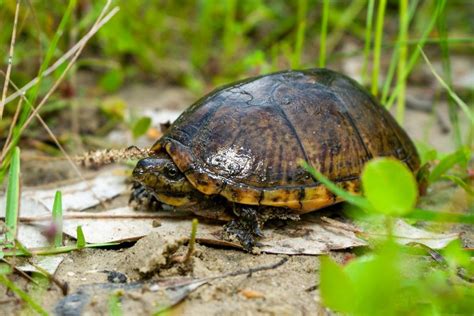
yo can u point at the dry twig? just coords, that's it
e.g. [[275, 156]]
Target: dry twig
[[10, 60]]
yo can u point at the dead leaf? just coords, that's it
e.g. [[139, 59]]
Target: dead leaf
[[78, 196], [309, 236], [48, 263], [81, 195], [406, 234]]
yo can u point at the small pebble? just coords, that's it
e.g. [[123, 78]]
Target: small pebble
[[250, 294]]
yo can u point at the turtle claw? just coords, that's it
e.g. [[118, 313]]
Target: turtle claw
[[245, 228], [143, 200], [235, 229]]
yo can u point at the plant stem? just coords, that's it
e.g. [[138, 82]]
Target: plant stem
[[444, 44], [378, 46], [401, 80], [13, 197], [23, 295], [324, 30], [192, 242], [300, 32], [368, 39]]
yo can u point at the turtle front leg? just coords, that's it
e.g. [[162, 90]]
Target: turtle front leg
[[246, 228], [143, 200]]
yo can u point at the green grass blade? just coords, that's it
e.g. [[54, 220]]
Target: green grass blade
[[324, 30], [81, 240], [395, 55], [443, 217], [13, 197], [21, 248], [300, 33], [349, 197], [33, 93], [452, 94], [343, 24], [114, 304], [378, 46], [21, 294], [460, 156], [451, 40], [401, 80], [58, 219], [53, 251], [416, 53], [368, 39], [453, 114], [229, 29], [460, 182]]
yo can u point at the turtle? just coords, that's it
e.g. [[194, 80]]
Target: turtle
[[235, 154]]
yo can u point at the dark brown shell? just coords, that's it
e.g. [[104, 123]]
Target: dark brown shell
[[245, 140]]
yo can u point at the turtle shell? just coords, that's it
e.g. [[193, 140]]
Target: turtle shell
[[245, 140]]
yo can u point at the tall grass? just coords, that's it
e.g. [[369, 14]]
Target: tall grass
[[367, 39], [10, 59], [324, 30], [378, 46], [300, 33], [33, 93], [402, 44], [13, 198], [464, 107], [29, 113], [412, 61], [395, 56], [444, 45], [229, 37]]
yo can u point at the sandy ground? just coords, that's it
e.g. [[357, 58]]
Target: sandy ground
[[290, 289]]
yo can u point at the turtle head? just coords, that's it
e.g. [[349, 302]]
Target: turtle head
[[160, 175]]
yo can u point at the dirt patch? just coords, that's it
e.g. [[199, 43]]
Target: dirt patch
[[288, 289]]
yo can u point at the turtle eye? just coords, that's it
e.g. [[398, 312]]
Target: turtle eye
[[171, 172]]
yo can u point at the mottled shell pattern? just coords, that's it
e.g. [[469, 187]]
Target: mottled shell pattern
[[245, 141]]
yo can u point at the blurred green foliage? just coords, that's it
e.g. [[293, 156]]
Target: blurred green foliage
[[193, 43], [393, 279]]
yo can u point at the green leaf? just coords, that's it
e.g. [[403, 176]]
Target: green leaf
[[112, 80], [337, 289], [460, 156], [389, 186], [81, 240], [378, 280], [141, 126], [114, 108], [13, 197], [457, 180], [427, 153], [58, 219], [455, 255]]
